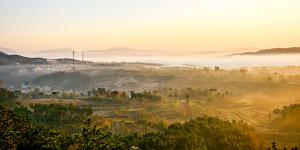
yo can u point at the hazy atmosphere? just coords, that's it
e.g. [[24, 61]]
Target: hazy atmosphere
[[189, 25], [149, 75]]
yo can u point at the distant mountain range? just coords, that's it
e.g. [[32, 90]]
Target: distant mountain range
[[290, 50], [8, 51], [64, 55], [58, 50], [6, 59], [119, 52], [125, 51], [114, 51]]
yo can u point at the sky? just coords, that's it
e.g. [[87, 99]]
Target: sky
[[197, 25]]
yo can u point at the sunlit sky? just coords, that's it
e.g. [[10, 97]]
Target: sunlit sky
[[197, 25]]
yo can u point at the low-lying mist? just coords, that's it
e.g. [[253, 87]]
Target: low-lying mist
[[202, 60]]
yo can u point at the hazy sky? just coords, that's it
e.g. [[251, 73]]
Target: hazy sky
[[150, 24]]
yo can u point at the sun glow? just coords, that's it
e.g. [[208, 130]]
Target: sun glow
[[179, 25]]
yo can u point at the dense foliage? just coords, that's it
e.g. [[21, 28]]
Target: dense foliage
[[6, 96], [13, 125], [200, 133], [288, 118], [204, 94], [104, 96], [61, 115], [17, 132]]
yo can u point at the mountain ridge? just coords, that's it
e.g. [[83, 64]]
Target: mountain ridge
[[289, 50], [7, 59], [8, 51]]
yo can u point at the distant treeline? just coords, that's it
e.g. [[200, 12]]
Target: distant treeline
[[105, 96], [59, 115], [207, 94], [113, 96]]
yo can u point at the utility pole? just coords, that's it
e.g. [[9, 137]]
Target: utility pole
[[82, 55], [73, 57]]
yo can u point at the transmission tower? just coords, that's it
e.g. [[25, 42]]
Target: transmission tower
[[73, 57], [82, 55]]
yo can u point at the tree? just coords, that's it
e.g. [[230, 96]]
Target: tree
[[1, 83], [54, 94], [187, 98], [13, 125], [201, 133], [43, 137], [7, 96], [93, 138]]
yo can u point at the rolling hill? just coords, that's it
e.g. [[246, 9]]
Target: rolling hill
[[8, 51], [6, 59], [290, 50]]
